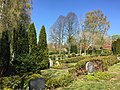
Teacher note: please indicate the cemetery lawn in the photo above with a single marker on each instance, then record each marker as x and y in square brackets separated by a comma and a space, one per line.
[109, 80]
[54, 72]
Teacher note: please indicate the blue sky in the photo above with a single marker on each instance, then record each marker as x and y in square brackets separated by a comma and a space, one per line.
[45, 12]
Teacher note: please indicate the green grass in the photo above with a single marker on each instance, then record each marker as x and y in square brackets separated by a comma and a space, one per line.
[54, 72]
[92, 85]
[109, 80]
[115, 68]
[64, 66]
[70, 65]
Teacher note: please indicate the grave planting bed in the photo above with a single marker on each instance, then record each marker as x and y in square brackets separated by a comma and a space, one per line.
[101, 63]
[107, 80]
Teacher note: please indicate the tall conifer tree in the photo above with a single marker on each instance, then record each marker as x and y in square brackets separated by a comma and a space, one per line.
[116, 46]
[42, 39]
[32, 40]
[4, 51]
[42, 45]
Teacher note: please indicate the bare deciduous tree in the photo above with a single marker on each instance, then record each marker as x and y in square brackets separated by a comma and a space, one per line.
[57, 32]
[71, 28]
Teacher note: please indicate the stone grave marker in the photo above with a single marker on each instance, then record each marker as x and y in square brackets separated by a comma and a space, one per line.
[89, 67]
[83, 54]
[51, 62]
[13, 56]
[77, 54]
[57, 63]
[118, 58]
[37, 84]
[56, 58]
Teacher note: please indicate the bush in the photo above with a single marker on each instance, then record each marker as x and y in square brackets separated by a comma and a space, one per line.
[103, 75]
[29, 77]
[106, 53]
[99, 76]
[71, 55]
[73, 59]
[106, 62]
[70, 65]
[91, 78]
[63, 56]
[17, 82]
[7, 89]
[30, 63]
[56, 56]
[51, 53]
[98, 52]
[53, 57]
[26, 63]
[64, 65]
[73, 49]
[61, 81]
[116, 46]
[89, 52]
[12, 82]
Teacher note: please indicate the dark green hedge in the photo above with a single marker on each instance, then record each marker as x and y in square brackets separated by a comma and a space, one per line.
[106, 61]
[116, 46]
[60, 81]
[76, 59]
[16, 82]
[73, 59]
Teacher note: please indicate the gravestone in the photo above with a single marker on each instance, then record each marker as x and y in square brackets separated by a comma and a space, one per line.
[57, 63]
[83, 54]
[13, 57]
[89, 67]
[51, 62]
[56, 58]
[118, 58]
[77, 54]
[37, 84]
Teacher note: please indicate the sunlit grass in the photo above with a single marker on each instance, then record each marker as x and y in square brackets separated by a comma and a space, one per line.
[98, 81]
[115, 68]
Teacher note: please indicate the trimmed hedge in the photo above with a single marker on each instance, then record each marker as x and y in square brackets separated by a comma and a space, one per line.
[10, 82]
[98, 76]
[73, 59]
[65, 63]
[60, 81]
[17, 82]
[106, 53]
[56, 56]
[62, 56]
[116, 46]
[106, 61]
